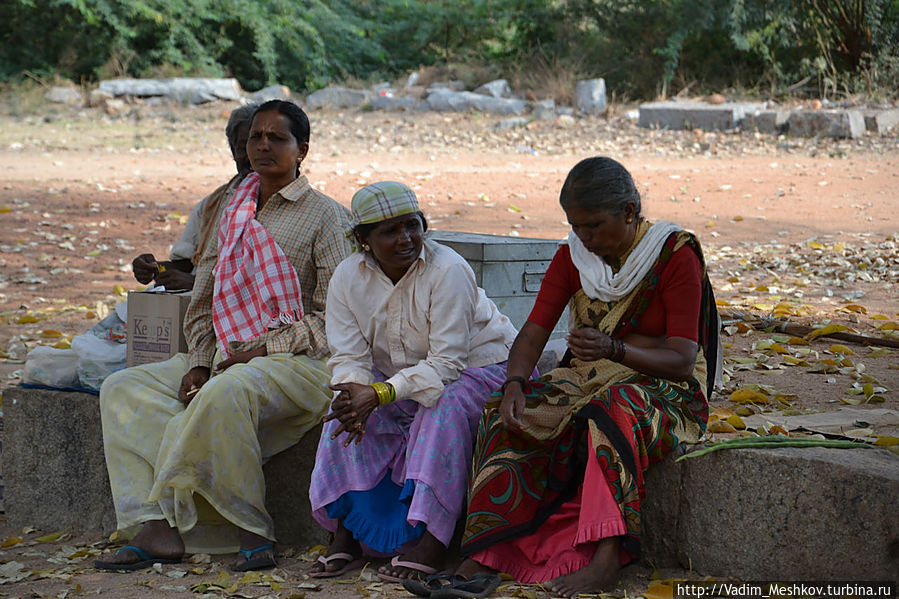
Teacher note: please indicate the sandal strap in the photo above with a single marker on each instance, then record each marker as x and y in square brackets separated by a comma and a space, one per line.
[249, 553]
[143, 555]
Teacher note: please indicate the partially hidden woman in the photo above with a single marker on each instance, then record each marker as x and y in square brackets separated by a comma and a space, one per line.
[416, 350]
[185, 439]
[557, 474]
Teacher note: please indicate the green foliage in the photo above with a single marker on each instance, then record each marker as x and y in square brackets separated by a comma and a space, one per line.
[643, 48]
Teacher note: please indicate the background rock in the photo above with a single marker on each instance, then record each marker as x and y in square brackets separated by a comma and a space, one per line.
[338, 97]
[590, 96]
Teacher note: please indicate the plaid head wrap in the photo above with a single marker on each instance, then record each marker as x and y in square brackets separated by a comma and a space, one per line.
[381, 201]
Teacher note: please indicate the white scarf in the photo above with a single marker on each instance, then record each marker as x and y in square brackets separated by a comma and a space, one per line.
[597, 279]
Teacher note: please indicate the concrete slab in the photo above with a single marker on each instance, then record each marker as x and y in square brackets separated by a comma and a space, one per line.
[881, 121]
[838, 124]
[55, 473]
[694, 115]
[53, 465]
[777, 514]
[772, 122]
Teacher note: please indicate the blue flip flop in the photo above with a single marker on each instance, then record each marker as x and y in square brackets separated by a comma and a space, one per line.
[256, 563]
[146, 561]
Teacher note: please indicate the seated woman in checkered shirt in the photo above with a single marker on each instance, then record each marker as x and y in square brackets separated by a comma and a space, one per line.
[185, 439]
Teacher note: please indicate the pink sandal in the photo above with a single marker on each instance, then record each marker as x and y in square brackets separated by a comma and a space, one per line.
[352, 563]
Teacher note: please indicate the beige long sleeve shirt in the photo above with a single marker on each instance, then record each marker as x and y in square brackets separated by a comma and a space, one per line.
[310, 228]
[421, 332]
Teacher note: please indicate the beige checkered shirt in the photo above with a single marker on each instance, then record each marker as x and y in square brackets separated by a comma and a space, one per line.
[310, 228]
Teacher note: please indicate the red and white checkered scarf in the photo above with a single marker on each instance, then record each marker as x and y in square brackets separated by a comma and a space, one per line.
[256, 286]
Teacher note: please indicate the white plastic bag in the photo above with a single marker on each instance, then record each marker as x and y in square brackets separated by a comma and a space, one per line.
[97, 359]
[52, 367]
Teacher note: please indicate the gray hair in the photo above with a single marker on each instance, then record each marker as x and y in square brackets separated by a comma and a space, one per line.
[602, 184]
[240, 116]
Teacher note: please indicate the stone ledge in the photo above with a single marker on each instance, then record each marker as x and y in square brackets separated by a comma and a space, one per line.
[55, 472]
[785, 514]
[777, 514]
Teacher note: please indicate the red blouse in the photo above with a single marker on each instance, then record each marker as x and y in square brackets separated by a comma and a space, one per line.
[673, 311]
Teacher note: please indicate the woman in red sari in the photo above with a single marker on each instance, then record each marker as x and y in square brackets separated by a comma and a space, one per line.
[557, 475]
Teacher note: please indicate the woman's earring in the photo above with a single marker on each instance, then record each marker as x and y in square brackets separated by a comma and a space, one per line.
[630, 220]
[366, 247]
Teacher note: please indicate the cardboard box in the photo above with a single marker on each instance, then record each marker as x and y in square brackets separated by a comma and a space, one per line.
[508, 269]
[155, 326]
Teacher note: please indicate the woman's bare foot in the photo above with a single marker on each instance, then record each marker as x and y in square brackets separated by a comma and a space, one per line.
[428, 552]
[156, 538]
[469, 568]
[262, 559]
[599, 575]
[343, 543]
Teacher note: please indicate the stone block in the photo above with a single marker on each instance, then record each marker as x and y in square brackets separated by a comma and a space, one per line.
[498, 89]
[772, 122]
[777, 514]
[456, 85]
[287, 477]
[192, 90]
[338, 97]
[379, 102]
[55, 472]
[98, 98]
[272, 92]
[590, 96]
[53, 463]
[444, 100]
[545, 110]
[880, 122]
[694, 115]
[838, 124]
[64, 95]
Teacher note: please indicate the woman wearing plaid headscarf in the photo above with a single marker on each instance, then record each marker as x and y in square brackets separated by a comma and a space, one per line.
[416, 349]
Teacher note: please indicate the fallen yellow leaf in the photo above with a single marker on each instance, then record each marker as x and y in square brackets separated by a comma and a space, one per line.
[748, 396]
[839, 348]
[28, 319]
[854, 308]
[888, 326]
[659, 591]
[721, 413]
[49, 538]
[828, 330]
[11, 542]
[885, 441]
[736, 422]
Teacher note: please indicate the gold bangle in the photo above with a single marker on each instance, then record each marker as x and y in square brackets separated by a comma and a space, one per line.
[386, 393]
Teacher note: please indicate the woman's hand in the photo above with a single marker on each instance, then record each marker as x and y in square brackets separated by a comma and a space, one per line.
[512, 407]
[352, 407]
[241, 358]
[192, 382]
[589, 344]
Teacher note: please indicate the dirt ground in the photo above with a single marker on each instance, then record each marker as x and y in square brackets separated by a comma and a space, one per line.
[805, 230]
